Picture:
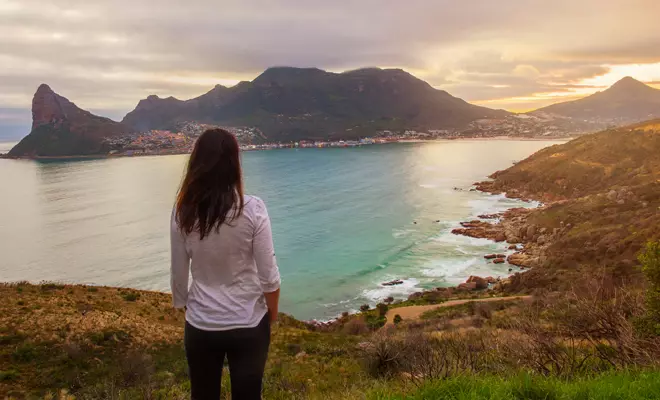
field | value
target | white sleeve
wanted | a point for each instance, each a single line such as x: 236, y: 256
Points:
x: 264, y: 251
x: 180, y: 267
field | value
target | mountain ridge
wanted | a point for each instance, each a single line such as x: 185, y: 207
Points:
x: 626, y: 101
x: 307, y: 103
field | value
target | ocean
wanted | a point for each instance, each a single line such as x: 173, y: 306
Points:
x: 344, y: 220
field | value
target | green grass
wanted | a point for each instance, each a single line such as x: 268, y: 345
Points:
x: 615, y: 386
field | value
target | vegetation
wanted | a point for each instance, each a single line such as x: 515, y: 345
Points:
x: 650, y: 260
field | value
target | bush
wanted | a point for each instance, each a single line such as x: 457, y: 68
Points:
x: 364, y: 307
x: 131, y: 296
x: 9, y: 375
x: 375, y: 322
x: 356, y: 326
x: 397, y: 319
x: 650, y: 260
x: 417, y: 356
x: 382, y: 309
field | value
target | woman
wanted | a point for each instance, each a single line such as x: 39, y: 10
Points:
x: 224, y: 239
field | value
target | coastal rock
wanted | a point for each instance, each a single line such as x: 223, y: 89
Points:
x: 490, y: 280
x: 480, y: 283
x: 499, y: 261
x: 520, y: 260
x: 530, y: 232
x: 416, y: 296
x: 392, y: 283
x: 488, y: 216
x: 467, y: 286
x: 490, y: 256
x: 513, y: 247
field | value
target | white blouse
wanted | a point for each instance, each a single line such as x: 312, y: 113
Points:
x: 231, y: 269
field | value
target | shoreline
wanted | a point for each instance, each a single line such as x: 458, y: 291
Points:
x: 403, y: 141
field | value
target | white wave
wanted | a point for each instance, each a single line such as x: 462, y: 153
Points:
x: 408, y: 287
x: 399, y: 233
x: 461, y: 240
x: 444, y: 268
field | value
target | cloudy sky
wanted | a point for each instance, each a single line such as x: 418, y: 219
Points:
x: 105, y: 55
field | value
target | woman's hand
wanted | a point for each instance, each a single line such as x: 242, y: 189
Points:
x: 272, y: 301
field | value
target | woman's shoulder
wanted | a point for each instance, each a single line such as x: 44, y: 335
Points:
x: 253, y: 203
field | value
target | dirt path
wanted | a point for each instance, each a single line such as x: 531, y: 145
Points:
x: 414, y: 312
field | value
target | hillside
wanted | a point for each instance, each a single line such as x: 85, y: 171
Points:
x: 627, y: 101
x: 295, y: 103
x: 603, y: 195
x: 60, y: 128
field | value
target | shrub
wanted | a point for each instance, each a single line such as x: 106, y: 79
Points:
x: 650, y: 259
x: 375, y: 322
x: 382, y: 309
x: 364, y: 307
x: 92, y: 289
x: 483, y: 310
x: 356, y: 326
x: 397, y: 319
x: 131, y: 296
x: 9, y: 375
x: 417, y: 356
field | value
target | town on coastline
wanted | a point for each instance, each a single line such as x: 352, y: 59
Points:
x: 181, y: 141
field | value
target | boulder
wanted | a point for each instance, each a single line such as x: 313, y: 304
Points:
x: 416, y: 296
x: 542, y: 239
x: 480, y: 283
x: 520, y: 260
x: 513, y: 247
x: 490, y: 256
x: 500, y: 237
x: 490, y: 279
x: 500, y: 256
x: 530, y: 232
x: 467, y: 286
x: 499, y: 261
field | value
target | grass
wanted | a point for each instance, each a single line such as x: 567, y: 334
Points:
x: 624, y: 385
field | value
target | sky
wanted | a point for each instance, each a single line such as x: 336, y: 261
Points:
x: 106, y: 55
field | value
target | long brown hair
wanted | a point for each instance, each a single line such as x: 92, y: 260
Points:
x: 211, y: 193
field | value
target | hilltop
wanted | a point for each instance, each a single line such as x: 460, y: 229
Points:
x: 627, y: 101
x: 289, y: 103
x: 602, y: 195
x: 60, y: 128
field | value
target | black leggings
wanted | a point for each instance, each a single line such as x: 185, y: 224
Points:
x: 246, y: 350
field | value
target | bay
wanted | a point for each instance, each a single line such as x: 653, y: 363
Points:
x: 344, y: 220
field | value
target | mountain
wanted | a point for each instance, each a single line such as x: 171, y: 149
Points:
x: 308, y: 103
x: 627, y: 101
x: 60, y: 128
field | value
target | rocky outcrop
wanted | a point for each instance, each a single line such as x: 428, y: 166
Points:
x: 60, y: 128
x: 480, y: 283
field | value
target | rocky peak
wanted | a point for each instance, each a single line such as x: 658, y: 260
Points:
x: 628, y: 85
x: 47, y: 106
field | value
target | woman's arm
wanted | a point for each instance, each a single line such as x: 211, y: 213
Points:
x: 180, y: 267
x: 273, y: 303
x: 264, y: 256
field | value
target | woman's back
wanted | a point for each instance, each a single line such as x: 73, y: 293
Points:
x: 231, y: 268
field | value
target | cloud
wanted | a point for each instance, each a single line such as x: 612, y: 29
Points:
x: 107, y: 54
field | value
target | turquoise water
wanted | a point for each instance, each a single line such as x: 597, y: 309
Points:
x: 344, y: 220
